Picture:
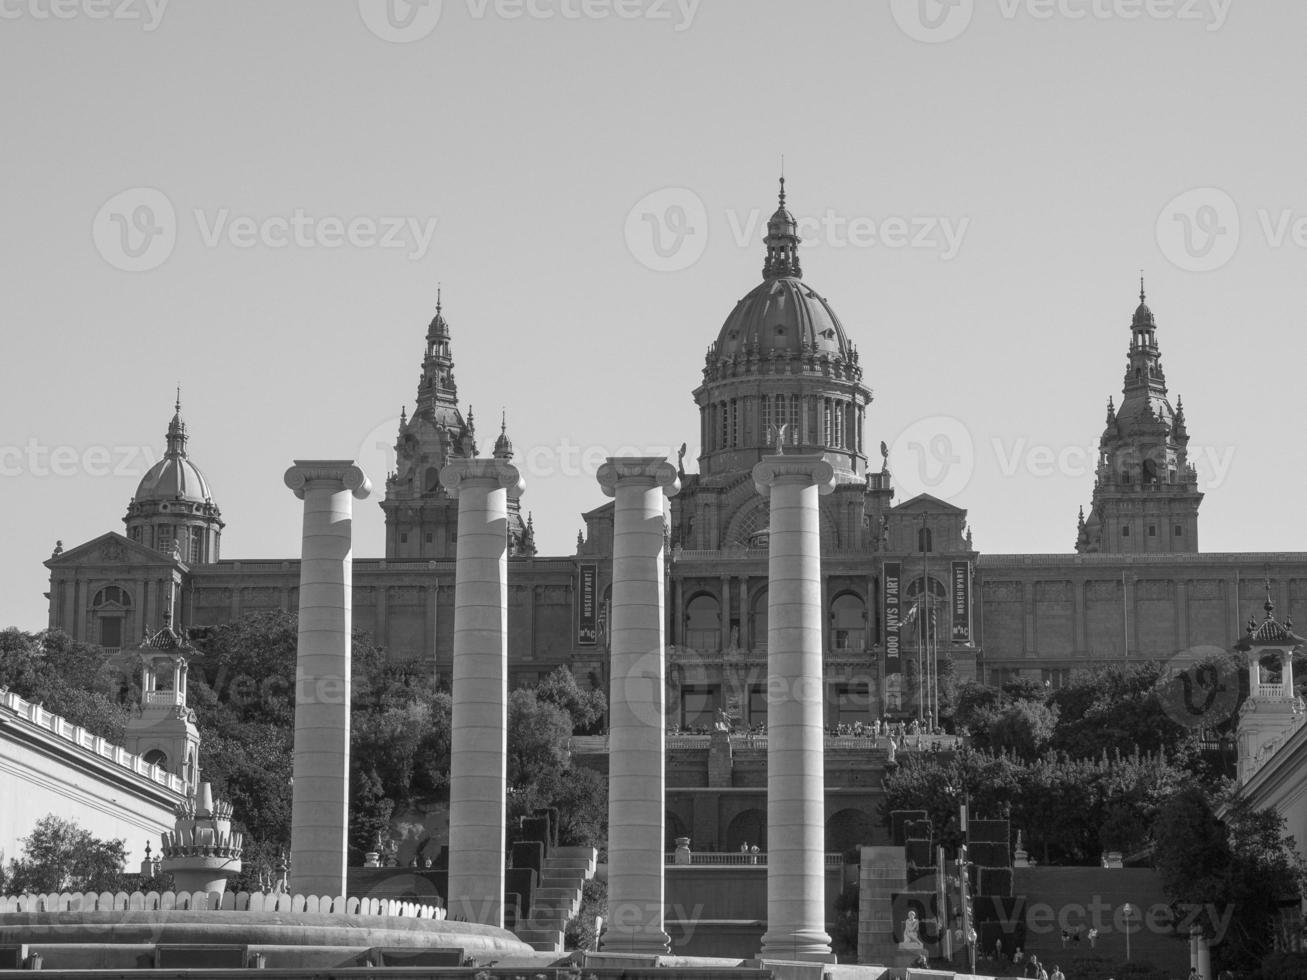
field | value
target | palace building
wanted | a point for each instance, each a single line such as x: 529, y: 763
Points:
x: 902, y: 587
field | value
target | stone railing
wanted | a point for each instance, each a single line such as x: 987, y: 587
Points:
x: 95, y: 745
x: 162, y: 699
x: 215, y: 902
x: 738, y: 858
x: 598, y: 744
x: 1242, y: 559
x: 1272, y: 691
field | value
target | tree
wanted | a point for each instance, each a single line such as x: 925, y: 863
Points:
x: 66, y: 678
x: 1024, y: 728
x: 1241, y: 872
x: 538, y: 734
x: 586, y: 707
x: 61, y: 856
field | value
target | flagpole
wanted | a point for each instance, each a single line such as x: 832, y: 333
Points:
x: 923, y: 652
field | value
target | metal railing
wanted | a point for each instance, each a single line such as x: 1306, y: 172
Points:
x: 740, y: 858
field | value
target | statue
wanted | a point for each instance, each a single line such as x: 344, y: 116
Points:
x: 680, y: 461
x: 911, y: 932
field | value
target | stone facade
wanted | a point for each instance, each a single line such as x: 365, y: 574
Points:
x: 900, y: 582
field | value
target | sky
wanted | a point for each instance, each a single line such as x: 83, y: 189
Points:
x: 257, y: 201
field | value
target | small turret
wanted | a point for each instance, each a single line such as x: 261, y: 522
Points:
x: 503, y: 445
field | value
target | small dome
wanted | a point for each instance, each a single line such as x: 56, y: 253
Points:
x: 782, y: 314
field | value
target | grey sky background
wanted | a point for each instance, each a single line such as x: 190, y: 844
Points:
x: 979, y: 185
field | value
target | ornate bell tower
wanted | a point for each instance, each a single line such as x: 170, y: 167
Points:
x: 1146, y: 493
x: 421, y: 517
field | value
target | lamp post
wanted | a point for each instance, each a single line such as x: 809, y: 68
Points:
x: 1127, y: 910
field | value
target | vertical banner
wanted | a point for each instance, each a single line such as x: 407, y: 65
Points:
x: 893, y: 620
x: 587, y: 629
x: 961, y: 602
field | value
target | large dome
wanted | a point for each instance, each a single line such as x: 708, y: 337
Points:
x: 174, y: 478
x: 782, y: 315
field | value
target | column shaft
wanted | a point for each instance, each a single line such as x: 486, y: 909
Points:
x: 479, y: 736
x: 796, y: 874
x: 320, y: 797
x: 637, y: 710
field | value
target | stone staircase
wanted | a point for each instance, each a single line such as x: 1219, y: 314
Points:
x: 558, y: 897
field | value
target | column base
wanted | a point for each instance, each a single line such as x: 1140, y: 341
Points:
x: 806, y: 945
x: 642, y: 944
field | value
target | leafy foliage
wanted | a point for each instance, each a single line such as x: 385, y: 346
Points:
x: 586, y: 707
x: 1242, y: 872
x: 59, y: 855
x: 67, y: 678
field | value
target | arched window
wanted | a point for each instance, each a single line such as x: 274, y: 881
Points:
x: 925, y: 540
x: 848, y: 616
x: 703, y: 623
x: 112, y: 595
x: 156, y: 757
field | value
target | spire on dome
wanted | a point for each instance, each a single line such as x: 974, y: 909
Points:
x: 439, y: 328
x: 1143, y: 317
x: 503, y: 445
x: 177, y: 429
x: 782, y: 242
x: 1111, y: 411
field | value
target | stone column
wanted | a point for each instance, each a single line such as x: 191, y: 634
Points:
x: 479, y: 728
x: 320, y: 796
x: 796, y: 834
x: 640, y: 486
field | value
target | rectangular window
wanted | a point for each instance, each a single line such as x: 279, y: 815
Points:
x: 698, y: 706
x: 1125, y: 531
x: 757, y: 704
x: 428, y: 537
x: 195, y: 547
x: 1152, y: 530
x: 1179, y: 531
x: 111, y: 631
x: 163, y: 540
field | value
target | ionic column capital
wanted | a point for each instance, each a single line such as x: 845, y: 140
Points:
x: 488, y: 474
x: 645, y: 470
x: 334, y: 474
x: 805, y: 470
